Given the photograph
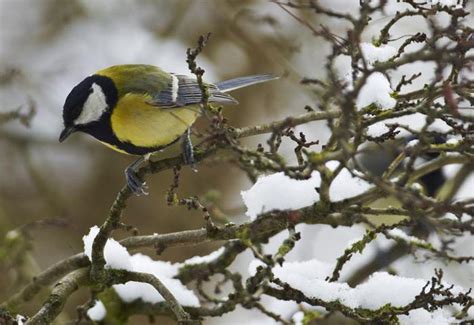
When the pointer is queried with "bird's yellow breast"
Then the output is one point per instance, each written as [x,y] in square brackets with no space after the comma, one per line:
[135,121]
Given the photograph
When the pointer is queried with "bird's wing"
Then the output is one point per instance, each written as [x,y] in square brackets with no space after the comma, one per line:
[183,91]
[165,90]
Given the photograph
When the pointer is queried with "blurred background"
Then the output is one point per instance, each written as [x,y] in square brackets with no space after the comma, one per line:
[48,46]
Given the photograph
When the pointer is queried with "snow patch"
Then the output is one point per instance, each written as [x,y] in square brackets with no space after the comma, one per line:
[380,289]
[422,316]
[298,318]
[280,192]
[165,271]
[117,257]
[204,259]
[447,3]
[376,91]
[412,143]
[373,54]
[97,312]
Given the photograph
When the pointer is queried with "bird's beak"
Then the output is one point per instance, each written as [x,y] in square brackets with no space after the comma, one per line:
[66,132]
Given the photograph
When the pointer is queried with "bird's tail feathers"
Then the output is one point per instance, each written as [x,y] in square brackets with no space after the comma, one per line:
[237,83]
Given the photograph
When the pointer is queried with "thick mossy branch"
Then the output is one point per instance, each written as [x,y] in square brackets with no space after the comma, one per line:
[59,295]
[45,279]
[122,276]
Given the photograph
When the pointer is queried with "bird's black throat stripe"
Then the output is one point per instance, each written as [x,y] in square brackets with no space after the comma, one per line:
[102,131]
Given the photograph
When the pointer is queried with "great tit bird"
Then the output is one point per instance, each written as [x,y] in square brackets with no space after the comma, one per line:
[139,109]
[376,158]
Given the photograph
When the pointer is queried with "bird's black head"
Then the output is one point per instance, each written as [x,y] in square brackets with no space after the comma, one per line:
[88,103]
[377,158]
[435,179]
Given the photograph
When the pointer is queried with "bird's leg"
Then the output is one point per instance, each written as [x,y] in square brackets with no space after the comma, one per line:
[136,185]
[187,147]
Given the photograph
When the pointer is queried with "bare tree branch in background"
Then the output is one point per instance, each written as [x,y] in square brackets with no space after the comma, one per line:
[18,114]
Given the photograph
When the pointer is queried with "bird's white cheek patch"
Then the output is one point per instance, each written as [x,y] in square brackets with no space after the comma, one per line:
[94,106]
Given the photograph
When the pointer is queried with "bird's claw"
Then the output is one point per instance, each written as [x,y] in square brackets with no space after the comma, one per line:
[188,158]
[136,185]
[188,151]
